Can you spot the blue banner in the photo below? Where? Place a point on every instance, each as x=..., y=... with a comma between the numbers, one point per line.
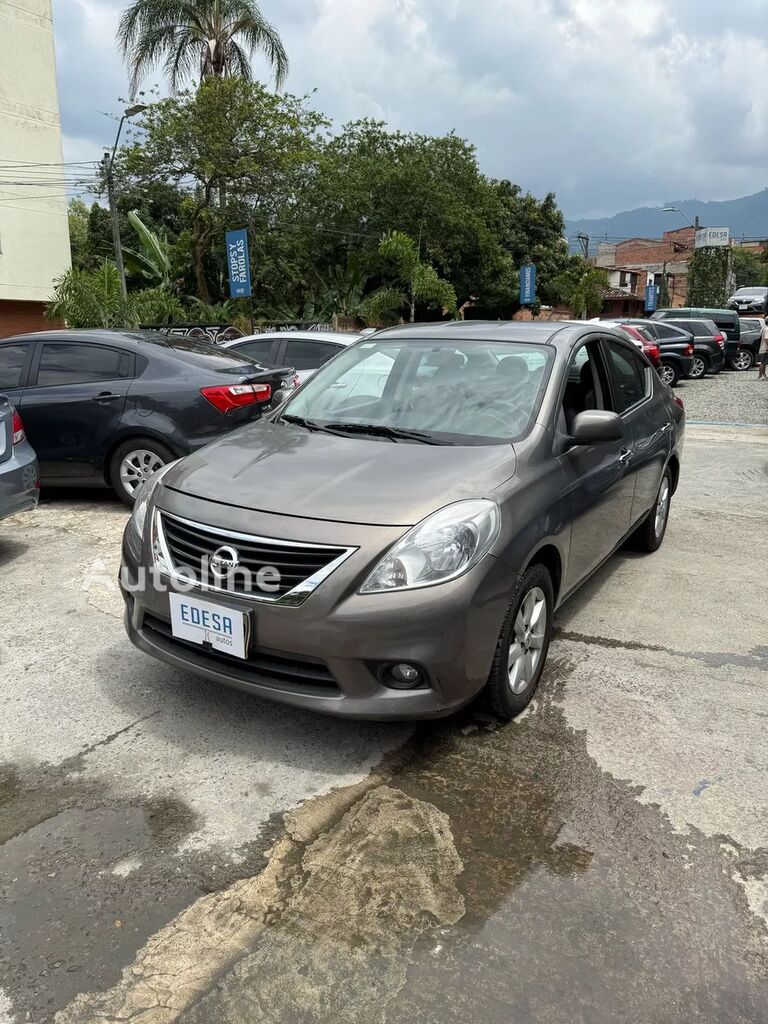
x=527, y=284
x=651, y=297
x=239, y=264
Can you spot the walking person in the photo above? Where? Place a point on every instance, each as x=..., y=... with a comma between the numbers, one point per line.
x=762, y=358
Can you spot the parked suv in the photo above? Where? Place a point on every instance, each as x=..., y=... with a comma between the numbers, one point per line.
x=749, y=346
x=708, y=346
x=112, y=407
x=726, y=319
x=749, y=300
x=676, y=348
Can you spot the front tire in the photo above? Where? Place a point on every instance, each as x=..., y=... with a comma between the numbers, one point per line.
x=743, y=360
x=650, y=533
x=133, y=462
x=523, y=644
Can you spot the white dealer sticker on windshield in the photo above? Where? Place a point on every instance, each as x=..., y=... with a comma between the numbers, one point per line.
x=205, y=623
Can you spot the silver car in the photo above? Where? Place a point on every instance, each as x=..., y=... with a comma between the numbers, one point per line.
x=19, y=477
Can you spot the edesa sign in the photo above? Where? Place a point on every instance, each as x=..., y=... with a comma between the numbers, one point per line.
x=708, y=237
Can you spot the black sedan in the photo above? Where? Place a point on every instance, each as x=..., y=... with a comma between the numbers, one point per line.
x=112, y=407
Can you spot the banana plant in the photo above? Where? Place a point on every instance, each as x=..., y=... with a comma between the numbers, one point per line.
x=151, y=262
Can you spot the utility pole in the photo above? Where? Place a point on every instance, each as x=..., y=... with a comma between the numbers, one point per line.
x=115, y=217
x=107, y=164
x=583, y=241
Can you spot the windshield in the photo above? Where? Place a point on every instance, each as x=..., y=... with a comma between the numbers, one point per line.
x=756, y=292
x=447, y=391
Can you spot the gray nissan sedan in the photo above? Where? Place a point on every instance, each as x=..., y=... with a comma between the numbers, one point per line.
x=393, y=542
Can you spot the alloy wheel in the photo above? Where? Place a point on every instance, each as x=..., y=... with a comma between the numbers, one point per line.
x=699, y=367
x=662, y=508
x=667, y=374
x=742, y=360
x=138, y=466
x=528, y=635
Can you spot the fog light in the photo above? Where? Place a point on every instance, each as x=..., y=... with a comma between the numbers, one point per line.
x=403, y=676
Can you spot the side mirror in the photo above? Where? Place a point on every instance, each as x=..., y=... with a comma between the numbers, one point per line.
x=279, y=396
x=596, y=426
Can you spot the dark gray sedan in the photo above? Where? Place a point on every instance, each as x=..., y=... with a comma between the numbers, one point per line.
x=394, y=541
x=19, y=477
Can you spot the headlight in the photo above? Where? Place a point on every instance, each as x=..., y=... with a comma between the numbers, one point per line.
x=440, y=548
x=143, y=496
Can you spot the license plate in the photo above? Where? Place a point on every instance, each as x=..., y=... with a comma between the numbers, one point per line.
x=202, y=622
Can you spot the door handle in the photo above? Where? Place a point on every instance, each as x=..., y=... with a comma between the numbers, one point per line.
x=666, y=427
x=106, y=396
x=625, y=456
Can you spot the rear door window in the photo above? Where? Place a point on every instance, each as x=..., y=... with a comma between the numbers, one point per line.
x=630, y=375
x=63, y=363
x=262, y=350
x=13, y=358
x=303, y=354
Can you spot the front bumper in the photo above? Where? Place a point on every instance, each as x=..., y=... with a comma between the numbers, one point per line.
x=19, y=481
x=326, y=655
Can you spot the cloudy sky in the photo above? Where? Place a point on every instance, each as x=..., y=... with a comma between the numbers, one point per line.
x=610, y=103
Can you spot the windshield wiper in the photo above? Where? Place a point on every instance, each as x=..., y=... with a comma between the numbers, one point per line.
x=380, y=430
x=299, y=421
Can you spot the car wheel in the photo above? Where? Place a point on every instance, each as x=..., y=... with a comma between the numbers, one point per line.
x=523, y=645
x=699, y=367
x=133, y=462
x=650, y=533
x=669, y=374
x=743, y=360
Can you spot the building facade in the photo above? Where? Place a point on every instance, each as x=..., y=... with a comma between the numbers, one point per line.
x=34, y=233
x=637, y=262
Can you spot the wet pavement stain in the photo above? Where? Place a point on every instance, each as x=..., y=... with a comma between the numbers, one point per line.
x=85, y=879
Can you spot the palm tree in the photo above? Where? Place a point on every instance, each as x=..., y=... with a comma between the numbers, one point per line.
x=214, y=37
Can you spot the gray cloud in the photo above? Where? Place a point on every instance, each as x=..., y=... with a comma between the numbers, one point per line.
x=610, y=104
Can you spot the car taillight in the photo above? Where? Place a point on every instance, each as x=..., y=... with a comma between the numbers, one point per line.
x=720, y=339
x=689, y=350
x=226, y=397
x=678, y=401
x=296, y=380
x=17, y=427
x=654, y=354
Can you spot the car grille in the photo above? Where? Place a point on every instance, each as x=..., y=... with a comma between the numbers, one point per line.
x=274, y=670
x=191, y=545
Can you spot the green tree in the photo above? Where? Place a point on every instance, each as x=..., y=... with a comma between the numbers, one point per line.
x=582, y=287
x=708, y=277
x=747, y=267
x=419, y=281
x=213, y=37
x=77, y=215
x=230, y=137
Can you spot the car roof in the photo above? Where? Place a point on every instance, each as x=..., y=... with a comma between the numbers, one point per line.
x=339, y=337
x=543, y=332
x=91, y=334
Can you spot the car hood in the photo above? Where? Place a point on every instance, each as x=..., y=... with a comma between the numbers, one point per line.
x=288, y=470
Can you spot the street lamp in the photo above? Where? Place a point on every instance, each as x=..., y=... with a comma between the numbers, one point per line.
x=108, y=162
x=674, y=209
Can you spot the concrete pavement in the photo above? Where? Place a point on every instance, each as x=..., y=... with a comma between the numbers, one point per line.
x=604, y=858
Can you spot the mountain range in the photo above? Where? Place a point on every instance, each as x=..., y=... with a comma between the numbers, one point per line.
x=747, y=216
